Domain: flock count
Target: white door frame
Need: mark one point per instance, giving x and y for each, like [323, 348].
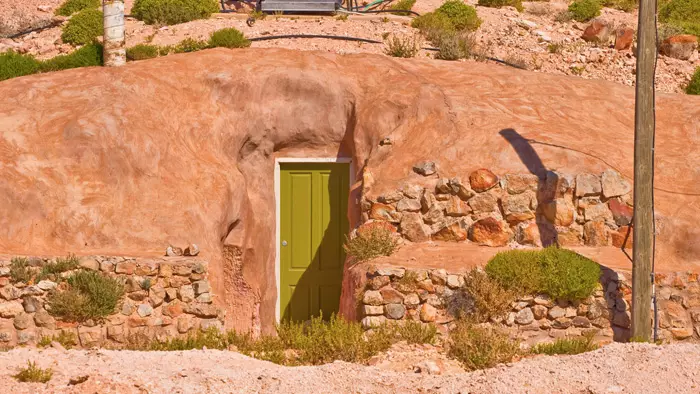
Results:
[278, 209]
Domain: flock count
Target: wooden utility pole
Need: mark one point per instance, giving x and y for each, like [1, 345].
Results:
[644, 171]
[114, 52]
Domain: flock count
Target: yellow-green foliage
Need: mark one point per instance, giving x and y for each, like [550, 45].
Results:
[694, 84]
[66, 338]
[90, 295]
[33, 374]
[479, 347]
[142, 52]
[83, 28]
[415, 332]
[561, 273]
[488, 297]
[172, 12]
[402, 46]
[228, 38]
[19, 266]
[190, 45]
[402, 5]
[517, 4]
[566, 346]
[53, 270]
[622, 5]
[70, 7]
[87, 56]
[683, 14]
[373, 240]
[584, 10]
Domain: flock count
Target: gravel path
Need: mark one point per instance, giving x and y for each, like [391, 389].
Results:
[617, 368]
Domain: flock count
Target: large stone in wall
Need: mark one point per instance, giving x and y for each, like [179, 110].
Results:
[536, 234]
[484, 203]
[622, 237]
[621, 212]
[519, 207]
[380, 211]
[597, 212]
[413, 228]
[588, 185]
[556, 185]
[461, 189]
[520, 183]
[455, 206]
[455, 232]
[408, 204]
[560, 212]
[491, 232]
[572, 236]
[614, 185]
[596, 234]
[482, 180]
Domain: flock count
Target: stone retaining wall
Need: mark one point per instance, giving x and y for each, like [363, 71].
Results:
[164, 297]
[436, 296]
[570, 210]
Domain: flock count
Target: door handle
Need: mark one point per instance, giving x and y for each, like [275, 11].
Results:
[284, 243]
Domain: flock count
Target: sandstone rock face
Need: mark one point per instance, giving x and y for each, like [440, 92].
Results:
[679, 47]
[597, 31]
[118, 161]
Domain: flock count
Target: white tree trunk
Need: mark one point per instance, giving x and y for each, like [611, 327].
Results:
[114, 51]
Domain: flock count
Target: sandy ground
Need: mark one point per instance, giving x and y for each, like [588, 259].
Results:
[617, 368]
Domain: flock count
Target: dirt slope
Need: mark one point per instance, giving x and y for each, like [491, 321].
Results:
[180, 149]
[617, 368]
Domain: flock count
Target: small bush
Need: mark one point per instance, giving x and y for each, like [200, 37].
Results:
[479, 347]
[415, 332]
[517, 4]
[566, 346]
[172, 12]
[694, 84]
[13, 64]
[87, 56]
[228, 38]
[462, 16]
[488, 299]
[83, 28]
[433, 26]
[90, 295]
[190, 45]
[52, 271]
[560, 273]
[405, 47]
[454, 45]
[554, 47]
[622, 5]
[33, 374]
[20, 270]
[403, 5]
[146, 284]
[142, 52]
[70, 7]
[584, 10]
[66, 338]
[371, 241]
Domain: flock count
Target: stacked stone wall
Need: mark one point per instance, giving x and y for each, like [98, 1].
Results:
[164, 298]
[436, 296]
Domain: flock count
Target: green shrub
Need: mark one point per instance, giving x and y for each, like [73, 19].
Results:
[19, 269]
[453, 45]
[433, 26]
[90, 295]
[13, 64]
[405, 47]
[682, 14]
[190, 45]
[488, 299]
[172, 12]
[566, 346]
[373, 240]
[402, 5]
[33, 374]
[517, 4]
[694, 84]
[462, 16]
[415, 332]
[584, 10]
[87, 56]
[622, 5]
[228, 38]
[66, 338]
[478, 347]
[142, 52]
[560, 273]
[83, 28]
[52, 271]
[70, 7]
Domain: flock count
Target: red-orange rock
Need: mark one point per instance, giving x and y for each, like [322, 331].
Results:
[624, 37]
[385, 212]
[569, 237]
[618, 237]
[482, 180]
[679, 47]
[560, 212]
[491, 232]
[622, 213]
[596, 234]
[597, 31]
[454, 232]
[174, 309]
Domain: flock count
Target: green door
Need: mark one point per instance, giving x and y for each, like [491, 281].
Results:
[313, 223]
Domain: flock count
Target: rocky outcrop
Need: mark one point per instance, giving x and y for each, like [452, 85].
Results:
[679, 47]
